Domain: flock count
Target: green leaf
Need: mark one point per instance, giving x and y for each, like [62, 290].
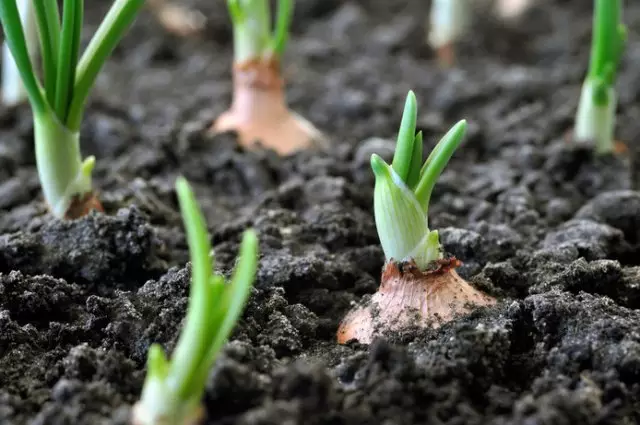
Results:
[283, 22]
[607, 40]
[406, 138]
[119, 18]
[239, 288]
[400, 221]
[68, 56]
[437, 161]
[48, 17]
[234, 297]
[416, 162]
[193, 342]
[235, 11]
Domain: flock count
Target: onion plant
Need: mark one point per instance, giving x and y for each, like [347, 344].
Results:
[448, 22]
[419, 286]
[58, 101]
[173, 388]
[259, 112]
[595, 118]
[13, 91]
[403, 191]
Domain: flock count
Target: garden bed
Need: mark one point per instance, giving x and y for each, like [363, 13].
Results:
[547, 228]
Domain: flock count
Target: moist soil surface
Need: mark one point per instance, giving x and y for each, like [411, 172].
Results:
[550, 230]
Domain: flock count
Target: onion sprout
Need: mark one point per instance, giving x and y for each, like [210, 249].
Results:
[595, 118]
[403, 191]
[259, 111]
[419, 287]
[448, 22]
[58, 101]
[173, 388]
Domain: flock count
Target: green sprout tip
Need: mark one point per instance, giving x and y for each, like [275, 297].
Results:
[173, 388]
[403, 191]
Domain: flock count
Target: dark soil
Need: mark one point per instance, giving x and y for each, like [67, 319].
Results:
[550, 230]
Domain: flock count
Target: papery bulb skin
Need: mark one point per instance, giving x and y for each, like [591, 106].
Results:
[83, 205]
[409, 298]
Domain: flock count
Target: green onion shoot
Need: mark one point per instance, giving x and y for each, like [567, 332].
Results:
[173, 389]
[596, 115]
[259, 111]
[448, 23]
[419, 285]
[13, 91]
[58, 101]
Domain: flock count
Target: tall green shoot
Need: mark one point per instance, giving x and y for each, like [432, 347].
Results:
[173, 388]
[403, 191]
[58, 101]
[596, 115]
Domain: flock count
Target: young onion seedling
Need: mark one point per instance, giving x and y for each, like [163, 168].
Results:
[448, 22]
[419, 286]
[259, 110]
[58, 101]
[595, 119]
[13, 91]
[173, 389]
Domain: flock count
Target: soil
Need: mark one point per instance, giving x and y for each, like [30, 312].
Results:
[550, 230]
